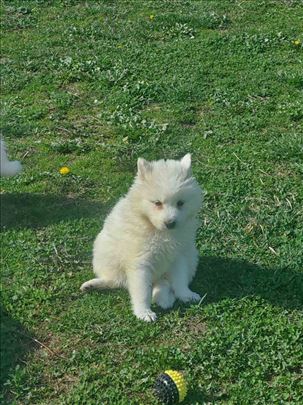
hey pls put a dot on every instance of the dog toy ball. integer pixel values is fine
(170, 387)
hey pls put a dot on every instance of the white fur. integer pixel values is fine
(136, 250)
(8, 168)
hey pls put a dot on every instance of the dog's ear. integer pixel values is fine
(186, 164)
(144, 167)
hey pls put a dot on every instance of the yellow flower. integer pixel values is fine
(151, 17)
(296, 42)
(64, 170)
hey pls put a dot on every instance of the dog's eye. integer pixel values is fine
(158, 203)
(180, 203)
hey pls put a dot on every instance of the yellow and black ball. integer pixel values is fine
(170, 387)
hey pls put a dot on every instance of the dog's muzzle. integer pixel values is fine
(170, 224)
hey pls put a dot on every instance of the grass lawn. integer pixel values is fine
(94, 85)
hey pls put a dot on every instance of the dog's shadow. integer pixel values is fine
(221, 278)
(33, 210)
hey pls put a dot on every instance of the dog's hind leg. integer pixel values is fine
(163, 294)
(95, 283)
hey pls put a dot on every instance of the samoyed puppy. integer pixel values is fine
(147, 243)
(8, 168)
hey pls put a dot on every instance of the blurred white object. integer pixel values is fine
(8, 168)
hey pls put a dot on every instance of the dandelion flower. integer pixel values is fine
(296, 42)
(64, 170)
(151, 17)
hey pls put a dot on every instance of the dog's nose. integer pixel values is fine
(170, 224)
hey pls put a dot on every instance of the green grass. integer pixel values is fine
(93, 86)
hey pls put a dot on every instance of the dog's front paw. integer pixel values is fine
(146, 315)
(189, 296)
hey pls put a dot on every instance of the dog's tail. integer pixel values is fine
(96, 283)
(8, 168)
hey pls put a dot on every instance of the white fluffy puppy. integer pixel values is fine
(147, 243)
(8, 168)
